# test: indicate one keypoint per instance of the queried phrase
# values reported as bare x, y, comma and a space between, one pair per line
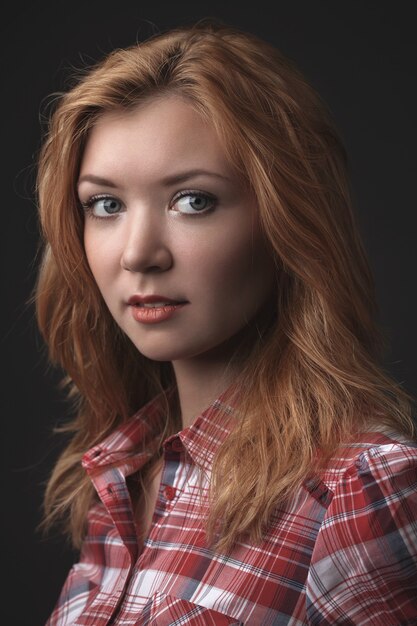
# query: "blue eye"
102, 206
193, 203
186, 202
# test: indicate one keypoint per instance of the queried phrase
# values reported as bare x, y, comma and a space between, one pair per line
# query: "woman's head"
277, 137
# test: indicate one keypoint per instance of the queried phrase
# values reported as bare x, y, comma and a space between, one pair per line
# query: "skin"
216, 260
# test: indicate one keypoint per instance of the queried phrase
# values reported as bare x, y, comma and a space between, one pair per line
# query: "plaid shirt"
343, 550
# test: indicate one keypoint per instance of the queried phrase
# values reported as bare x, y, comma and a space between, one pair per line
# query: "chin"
182, 353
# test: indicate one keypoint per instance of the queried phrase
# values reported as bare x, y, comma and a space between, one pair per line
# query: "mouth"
157, 305
155, 312
153, 301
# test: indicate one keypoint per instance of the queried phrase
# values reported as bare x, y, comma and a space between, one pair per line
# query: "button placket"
168, 490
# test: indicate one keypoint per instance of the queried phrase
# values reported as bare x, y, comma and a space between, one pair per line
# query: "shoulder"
365, 557
373, 483
373, 457
373, 479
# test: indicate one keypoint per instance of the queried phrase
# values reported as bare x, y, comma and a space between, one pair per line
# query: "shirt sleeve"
364, 565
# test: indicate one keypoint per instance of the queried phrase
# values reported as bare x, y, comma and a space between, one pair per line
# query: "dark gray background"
361, 56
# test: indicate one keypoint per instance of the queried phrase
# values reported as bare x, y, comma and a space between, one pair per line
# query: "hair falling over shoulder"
315, 377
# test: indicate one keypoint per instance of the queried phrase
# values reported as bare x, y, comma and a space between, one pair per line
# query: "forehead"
158, 133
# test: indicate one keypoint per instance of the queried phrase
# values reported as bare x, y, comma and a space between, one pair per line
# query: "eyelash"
88, 205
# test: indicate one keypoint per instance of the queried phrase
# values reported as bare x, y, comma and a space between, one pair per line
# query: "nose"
145, 247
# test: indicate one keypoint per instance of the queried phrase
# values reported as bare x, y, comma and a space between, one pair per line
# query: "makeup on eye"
199, 202
202, 202
109, 204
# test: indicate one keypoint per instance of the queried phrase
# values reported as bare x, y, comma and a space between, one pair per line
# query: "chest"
175, 563
175, 567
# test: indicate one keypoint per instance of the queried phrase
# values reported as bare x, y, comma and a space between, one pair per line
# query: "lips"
154, 305
140, 301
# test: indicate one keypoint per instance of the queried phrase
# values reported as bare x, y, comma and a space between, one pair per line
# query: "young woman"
238, 453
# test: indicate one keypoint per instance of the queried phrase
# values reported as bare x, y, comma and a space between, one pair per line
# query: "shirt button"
169, 492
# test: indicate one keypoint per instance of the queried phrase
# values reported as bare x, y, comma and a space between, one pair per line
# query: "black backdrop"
359, 55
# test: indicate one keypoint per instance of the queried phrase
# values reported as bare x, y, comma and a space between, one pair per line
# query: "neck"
198, 387
201, 379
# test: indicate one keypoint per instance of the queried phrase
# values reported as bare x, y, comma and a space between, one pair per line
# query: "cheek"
101, 253
228, 264
248, 271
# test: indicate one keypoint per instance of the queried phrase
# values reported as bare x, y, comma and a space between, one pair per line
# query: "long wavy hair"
315, 376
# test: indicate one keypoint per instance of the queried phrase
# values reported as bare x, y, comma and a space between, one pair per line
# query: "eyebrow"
181, 177
167, 181
97, 180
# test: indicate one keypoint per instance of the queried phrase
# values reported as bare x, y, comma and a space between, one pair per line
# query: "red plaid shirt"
343, 550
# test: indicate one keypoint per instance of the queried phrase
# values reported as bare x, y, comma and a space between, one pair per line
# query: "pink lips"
153, 315
138, 299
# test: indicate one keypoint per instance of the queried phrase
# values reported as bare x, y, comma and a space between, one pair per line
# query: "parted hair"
313, 377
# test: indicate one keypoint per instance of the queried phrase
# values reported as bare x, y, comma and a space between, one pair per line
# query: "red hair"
314, 376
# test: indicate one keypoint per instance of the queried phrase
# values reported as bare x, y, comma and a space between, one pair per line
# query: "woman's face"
166, 214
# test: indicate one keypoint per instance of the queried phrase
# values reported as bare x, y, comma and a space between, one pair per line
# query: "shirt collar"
209, 430
133, 443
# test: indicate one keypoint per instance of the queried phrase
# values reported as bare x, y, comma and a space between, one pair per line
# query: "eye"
193, 202
102, 206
